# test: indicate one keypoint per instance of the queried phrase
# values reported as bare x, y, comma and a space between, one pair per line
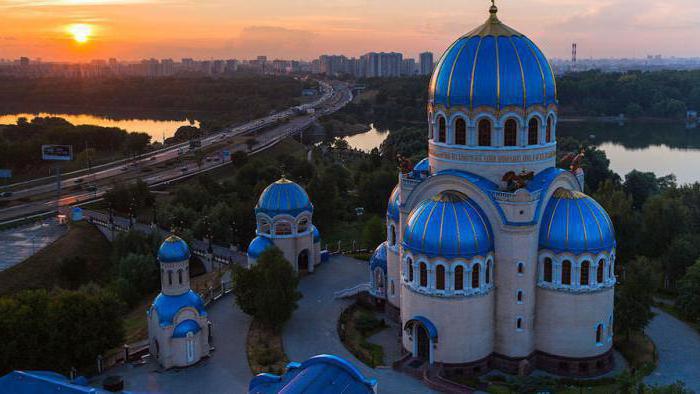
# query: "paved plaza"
20, 243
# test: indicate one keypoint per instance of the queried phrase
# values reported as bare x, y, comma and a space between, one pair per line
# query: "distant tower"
573, 57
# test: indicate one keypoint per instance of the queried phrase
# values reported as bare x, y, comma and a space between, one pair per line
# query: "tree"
641, 186
682, 253
633, 299
374, 232
137, 275
665, 218
73, 270
625, 220
689, 293
268, 290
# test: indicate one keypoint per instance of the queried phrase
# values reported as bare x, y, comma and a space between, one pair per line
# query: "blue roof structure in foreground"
323, 374
168, 306
43, 382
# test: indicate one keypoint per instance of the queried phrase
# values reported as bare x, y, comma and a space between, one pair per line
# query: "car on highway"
78, 181
5, 194
91, 188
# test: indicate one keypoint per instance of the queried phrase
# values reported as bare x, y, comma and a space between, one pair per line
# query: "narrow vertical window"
566, 272
460, 132
548, 270
392, 235
459, 278
475, 276
532, 131
440, 277
585, 273
410, 270
179, 276
423, 275
519, 296
487, 277
549, 129
600, 273
599, 334
170, 277
484, 132
519, 323
510, 133
442, 129
521, 268
393, 291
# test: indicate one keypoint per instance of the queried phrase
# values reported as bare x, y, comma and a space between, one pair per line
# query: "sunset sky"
302, 29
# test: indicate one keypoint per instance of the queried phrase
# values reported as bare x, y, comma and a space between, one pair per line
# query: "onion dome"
448, 225
422, 169
574, 222
168, 306
317, 234
378, 258
284, 197
258, 245
185, 327
173, 250
493, 66
392, 210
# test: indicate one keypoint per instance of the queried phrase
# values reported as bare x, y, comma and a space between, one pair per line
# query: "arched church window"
460, 132
179, 276
550, 121
548, 270
585, 273
283, 227
532, 131
519, 323
519, 296
475, 276
484, 132
566, 272
599, 334
264, 226
392, 235
487, 277
423, 275
521, 268
410, 270
442, 129
459, 278
440, 277
303, 225
510, 133
170, 277
600, 273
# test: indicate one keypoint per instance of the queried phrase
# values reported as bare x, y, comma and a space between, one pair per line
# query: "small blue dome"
258, 245
168, 306
493, 66
448, 225
378, 258
574, 222
284, 197
392, 210
422, 168
317, 234
185, 327
174, 249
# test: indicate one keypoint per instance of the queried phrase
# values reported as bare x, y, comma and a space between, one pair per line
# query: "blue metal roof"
168, 306
174, 249
44, 382
378, 258
422, 168
392, 210
185, 327
317, 234
448, 225
493, 66
573, 222
284, 197
258, 245
432, 330
323, 374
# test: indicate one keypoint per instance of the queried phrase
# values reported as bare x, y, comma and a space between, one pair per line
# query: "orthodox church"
283, 217
495, 258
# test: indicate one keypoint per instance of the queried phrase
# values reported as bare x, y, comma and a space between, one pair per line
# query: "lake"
157, 129
662, 148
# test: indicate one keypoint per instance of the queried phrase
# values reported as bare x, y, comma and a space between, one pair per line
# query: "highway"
38, 197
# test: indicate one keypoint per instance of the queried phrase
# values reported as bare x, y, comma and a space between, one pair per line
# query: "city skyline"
81, 30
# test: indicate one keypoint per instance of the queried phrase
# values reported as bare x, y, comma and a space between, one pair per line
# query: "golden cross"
493, 3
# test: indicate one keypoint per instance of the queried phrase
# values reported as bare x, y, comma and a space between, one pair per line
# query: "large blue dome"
174, 249
448, 225
575, 223
493, 66
283, 197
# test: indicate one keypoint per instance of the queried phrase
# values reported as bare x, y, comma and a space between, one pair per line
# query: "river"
156, 128
661, 148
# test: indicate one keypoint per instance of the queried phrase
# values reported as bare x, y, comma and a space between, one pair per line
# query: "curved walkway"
312, 329
226, 371
678, 347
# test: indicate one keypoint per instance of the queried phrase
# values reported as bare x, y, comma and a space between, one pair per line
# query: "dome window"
459, 278
484, 132
601, 271
409, 262
549, 129
475, 276
599, 334
264, 226
283, 228
585, 273
548, 270
566, 273
533, 131
440, 277
423, 275
487, 277
510, 134
442, 129
179, 276
303, 225
460, 132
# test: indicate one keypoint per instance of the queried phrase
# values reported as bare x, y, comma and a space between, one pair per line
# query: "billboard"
57, 152
5, 174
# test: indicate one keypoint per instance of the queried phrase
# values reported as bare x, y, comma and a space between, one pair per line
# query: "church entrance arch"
303, 261
422, 343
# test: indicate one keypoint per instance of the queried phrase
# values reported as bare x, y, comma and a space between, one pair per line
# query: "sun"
81, 32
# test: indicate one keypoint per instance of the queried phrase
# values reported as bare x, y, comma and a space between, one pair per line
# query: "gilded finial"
493, 10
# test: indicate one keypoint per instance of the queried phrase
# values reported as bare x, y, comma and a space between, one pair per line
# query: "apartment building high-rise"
426, 63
